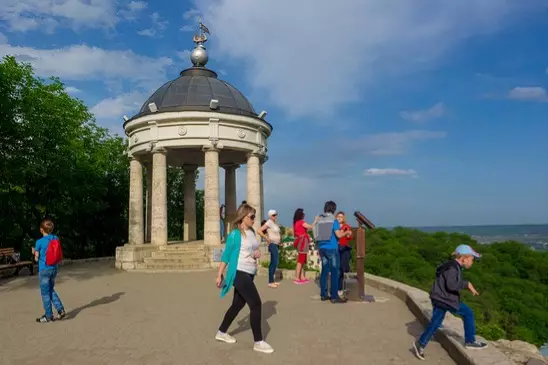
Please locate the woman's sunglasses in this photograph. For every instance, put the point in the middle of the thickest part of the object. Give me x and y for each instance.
(252, 217)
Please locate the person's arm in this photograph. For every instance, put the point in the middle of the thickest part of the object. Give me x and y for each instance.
(311, 226)
(262, 233)
(36, 251)
(453, 280)
(337, 229)
(229, 247)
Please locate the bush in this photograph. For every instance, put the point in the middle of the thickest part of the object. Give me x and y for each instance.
(511, 278)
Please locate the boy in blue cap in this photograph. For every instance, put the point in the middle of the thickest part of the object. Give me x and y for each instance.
(445, 298)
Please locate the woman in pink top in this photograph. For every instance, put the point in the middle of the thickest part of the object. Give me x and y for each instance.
(302, 240)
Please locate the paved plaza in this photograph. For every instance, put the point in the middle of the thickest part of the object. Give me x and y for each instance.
(116, 317)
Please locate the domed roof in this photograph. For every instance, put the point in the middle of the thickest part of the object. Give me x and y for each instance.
(194, 90)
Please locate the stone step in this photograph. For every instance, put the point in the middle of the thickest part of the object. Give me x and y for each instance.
(183, 248)
(173, 267)
(179, 254)
(171, 260)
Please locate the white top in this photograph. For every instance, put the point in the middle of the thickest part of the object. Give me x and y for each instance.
(246, 260)
(273, 231)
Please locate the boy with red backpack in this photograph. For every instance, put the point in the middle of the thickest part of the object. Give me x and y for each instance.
(49, 254)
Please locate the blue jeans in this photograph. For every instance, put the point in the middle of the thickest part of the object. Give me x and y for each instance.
(330, 264)
(49, 296)
(274, 261)
(438, 314)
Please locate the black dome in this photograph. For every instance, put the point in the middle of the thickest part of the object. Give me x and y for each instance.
(193, 91)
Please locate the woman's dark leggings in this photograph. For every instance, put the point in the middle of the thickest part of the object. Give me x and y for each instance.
(345, 253)
(245, 292)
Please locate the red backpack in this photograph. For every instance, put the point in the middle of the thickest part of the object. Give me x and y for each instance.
(54, 252)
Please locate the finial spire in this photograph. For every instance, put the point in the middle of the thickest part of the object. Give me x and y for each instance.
(199, 56)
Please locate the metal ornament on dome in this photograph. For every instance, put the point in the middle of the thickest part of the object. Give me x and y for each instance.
(199, 56)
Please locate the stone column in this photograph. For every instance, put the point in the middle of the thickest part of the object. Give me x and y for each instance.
(149, 203)
(136, 232)
(254, 186)
(262, 192)
(230, 194)
(212, 224)
(189, 223)
(159, 197)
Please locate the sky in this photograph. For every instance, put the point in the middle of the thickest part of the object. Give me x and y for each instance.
(416, 113)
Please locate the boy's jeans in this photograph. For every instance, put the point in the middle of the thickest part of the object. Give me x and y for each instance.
(49, 296)
(330, 264)
(274, 261)
(438, 314)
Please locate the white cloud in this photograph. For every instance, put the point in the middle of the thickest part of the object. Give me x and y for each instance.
(528, 93)
(133, 9)
(184, 55)
(72, 90)
(390, 172)
(392, 143)
(188, 28)
(46, 15)
(421, 116)
(159, 25)
(82, 62)
(314, 57)
(116, 107)
(3, 39)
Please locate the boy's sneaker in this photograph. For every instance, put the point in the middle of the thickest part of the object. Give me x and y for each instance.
(44, 319)
(419, 350)
(262, 346)
(476, 345)
(60, 315)
(224, 337)
(338, 300)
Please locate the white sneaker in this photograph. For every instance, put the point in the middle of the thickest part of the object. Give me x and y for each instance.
(224, 337)
(262, 346)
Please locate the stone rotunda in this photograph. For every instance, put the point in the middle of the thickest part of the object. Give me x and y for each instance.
(194, 120)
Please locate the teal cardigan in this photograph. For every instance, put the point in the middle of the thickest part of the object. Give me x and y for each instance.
(230, 257)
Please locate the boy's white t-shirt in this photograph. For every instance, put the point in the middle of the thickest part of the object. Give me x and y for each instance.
(246, 260)
(273, 231)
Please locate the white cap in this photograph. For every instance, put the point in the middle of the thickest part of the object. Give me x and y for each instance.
(272, 212)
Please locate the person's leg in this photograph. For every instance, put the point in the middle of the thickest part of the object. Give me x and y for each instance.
(341, 269)
(324, 273)
(247, 289)
(55, 298)
(238, 303)
(467, 315)
(298, 270)
(334, 269)
(272, 265)
(45, 291)
(302, 261)
(438, 316)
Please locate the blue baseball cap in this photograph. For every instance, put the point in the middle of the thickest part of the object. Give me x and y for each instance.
(466, 250)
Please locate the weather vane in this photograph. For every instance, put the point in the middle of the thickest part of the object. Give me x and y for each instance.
(201, 38)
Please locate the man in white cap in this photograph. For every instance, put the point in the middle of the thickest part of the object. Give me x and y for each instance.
(445, 298)
(271, 232)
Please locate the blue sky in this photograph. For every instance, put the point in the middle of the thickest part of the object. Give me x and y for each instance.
(419, 113)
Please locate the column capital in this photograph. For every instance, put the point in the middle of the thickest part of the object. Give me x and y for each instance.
(212, 147)
(190, 167)
(259, 152)
(230, 166)
(159, 150)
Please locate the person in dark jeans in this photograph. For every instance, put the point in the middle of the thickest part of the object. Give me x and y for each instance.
(445, 297)
(329, 255)
(240, 258)
(270, 231)
(345, 251)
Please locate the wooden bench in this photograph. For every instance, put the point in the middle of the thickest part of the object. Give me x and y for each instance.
(7, 253)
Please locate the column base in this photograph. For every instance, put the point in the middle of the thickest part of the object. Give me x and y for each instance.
(129, 256)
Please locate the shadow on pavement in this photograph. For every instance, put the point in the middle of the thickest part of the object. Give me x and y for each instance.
(269, 309)
(101, 301)
(78, 271)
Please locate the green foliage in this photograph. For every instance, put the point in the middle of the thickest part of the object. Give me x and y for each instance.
(55, 161)
(511, 278)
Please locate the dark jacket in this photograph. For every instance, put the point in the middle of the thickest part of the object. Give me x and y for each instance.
(445, 291)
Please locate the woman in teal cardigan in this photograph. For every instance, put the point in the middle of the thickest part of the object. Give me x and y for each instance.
(240, 256)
